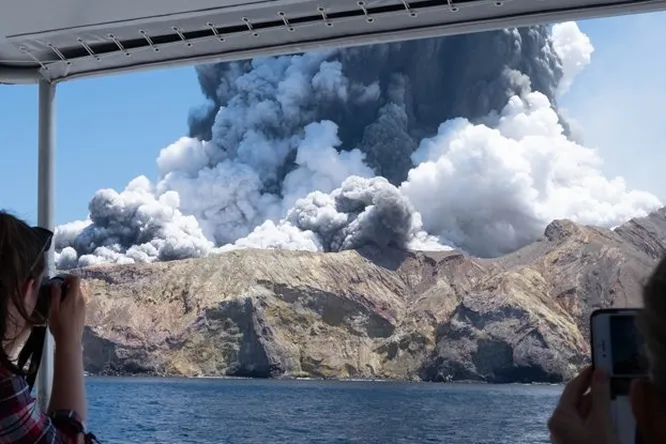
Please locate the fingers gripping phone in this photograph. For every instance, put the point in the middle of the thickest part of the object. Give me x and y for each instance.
(617, 349)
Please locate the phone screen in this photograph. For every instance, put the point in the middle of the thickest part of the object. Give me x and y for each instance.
(618, 350)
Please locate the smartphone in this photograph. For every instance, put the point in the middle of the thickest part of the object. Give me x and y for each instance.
(617, 349)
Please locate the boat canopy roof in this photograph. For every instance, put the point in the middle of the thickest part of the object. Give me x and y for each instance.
(57, 40)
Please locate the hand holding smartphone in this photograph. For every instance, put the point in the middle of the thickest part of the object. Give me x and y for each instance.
(617, 349)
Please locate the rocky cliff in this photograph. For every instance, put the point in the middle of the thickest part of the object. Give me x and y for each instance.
(370, 313)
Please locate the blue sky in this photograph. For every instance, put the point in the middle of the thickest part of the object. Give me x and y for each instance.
(110, 130)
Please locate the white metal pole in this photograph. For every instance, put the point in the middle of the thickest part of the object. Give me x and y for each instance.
(45, 219)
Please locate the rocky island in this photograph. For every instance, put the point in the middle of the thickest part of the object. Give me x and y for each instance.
(370, 313)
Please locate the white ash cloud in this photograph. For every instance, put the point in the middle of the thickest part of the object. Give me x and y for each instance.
(432, 144)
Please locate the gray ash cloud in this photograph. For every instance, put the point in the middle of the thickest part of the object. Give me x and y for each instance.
(438, 143)
(399, 93)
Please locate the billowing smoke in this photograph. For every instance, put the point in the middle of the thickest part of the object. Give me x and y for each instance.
(361, 211)
(431, 144)
(132, 226)
(498, 185)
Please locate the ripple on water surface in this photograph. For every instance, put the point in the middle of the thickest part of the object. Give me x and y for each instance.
(204, 411)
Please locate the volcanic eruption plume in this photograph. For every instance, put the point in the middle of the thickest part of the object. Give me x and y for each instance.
(430, 144)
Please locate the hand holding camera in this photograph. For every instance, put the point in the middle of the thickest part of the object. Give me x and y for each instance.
(66, 319)
(67, 312)
(60, 304)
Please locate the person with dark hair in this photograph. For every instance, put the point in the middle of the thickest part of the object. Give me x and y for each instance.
(583, 414)
(648, 395)
(22, 268)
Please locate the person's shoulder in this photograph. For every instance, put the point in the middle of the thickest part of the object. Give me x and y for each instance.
(20, 421)
(13, 389)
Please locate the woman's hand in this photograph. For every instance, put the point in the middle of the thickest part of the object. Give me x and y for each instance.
(582, 416)
(67, 315)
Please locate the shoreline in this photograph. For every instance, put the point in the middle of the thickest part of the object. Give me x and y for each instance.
(314, 379)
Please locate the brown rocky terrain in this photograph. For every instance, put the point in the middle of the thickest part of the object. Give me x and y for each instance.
(370, 313)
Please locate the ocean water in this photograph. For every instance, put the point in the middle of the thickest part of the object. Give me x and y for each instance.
(204, 411)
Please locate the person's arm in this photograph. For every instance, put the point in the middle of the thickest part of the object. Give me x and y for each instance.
(66, 322)
(68, 393)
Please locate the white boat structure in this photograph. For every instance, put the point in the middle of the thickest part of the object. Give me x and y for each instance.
(46, 43)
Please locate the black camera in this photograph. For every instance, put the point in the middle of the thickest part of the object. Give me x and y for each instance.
(41, 313)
